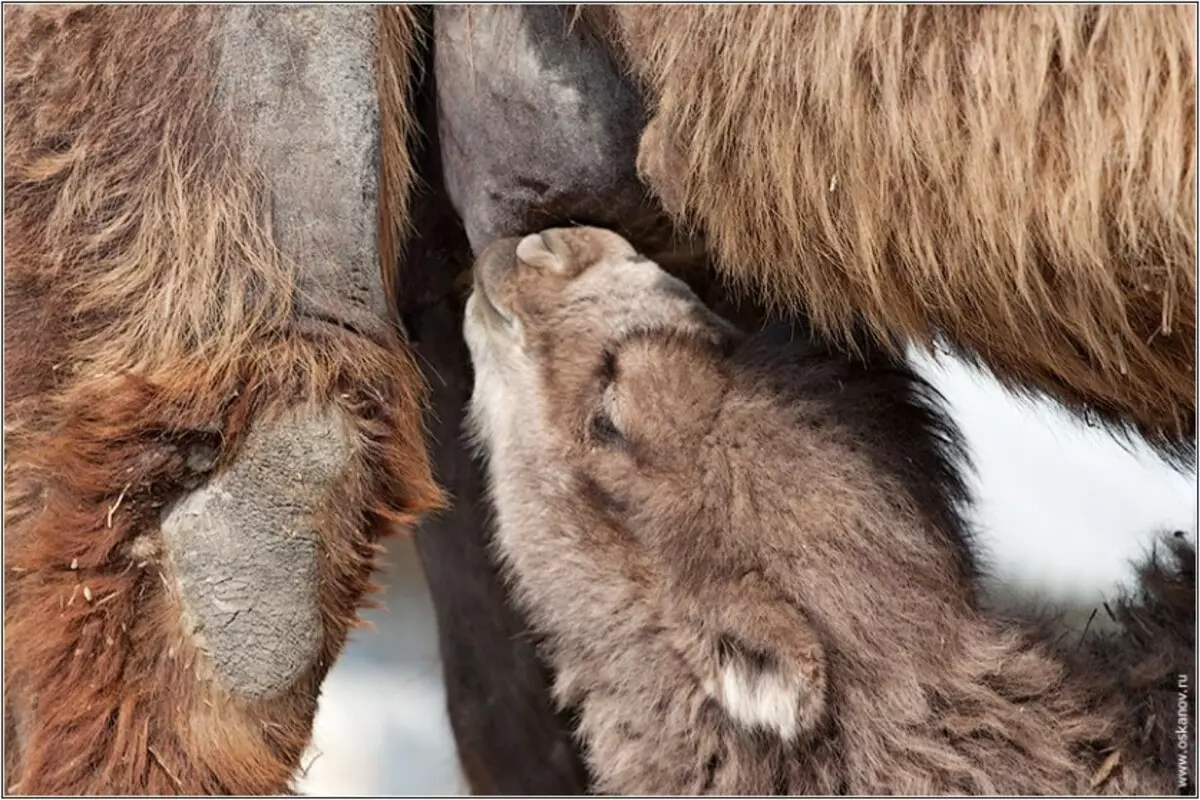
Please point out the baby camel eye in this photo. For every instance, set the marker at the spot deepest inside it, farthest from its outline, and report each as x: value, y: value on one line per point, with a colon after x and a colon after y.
x: 603, y: 431
x: 608, y: 367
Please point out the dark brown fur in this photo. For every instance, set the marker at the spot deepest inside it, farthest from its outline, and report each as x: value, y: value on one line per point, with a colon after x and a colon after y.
x: 150, y: 319
x: 675, y: 503
x: 1018, y: 179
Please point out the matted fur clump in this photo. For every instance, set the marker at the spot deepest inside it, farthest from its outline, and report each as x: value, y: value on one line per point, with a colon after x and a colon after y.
x: 746, y: 559
x: 150, y: 325
x: 1020, y: 179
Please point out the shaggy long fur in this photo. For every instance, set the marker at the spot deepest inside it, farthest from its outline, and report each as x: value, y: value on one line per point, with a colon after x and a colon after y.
x: 401, y: 35
x: 150, y: 317
x: 1020, y: 179
x: 748, y: 564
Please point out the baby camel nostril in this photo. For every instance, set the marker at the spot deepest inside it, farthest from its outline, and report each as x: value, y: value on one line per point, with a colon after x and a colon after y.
x: 535, y: 251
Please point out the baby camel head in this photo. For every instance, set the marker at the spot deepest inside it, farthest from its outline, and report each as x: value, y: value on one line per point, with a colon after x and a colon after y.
x: 762, y: 505
x: 585, y: 348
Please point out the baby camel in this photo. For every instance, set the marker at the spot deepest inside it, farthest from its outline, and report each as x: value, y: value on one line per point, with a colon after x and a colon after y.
x: 746, y: 558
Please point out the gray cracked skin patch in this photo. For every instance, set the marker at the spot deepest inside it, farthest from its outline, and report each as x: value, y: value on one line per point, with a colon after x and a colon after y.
x: 245, y: 548
x: 299, y: 83
x: 537, y: 124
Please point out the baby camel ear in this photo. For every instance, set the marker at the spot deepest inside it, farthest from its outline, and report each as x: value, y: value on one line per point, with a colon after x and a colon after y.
x: 759, y: 658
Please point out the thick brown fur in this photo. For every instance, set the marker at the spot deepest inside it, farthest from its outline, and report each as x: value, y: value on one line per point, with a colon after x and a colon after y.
x: 150, y: 318
x: 747, y: 559
x: 1019, y: 179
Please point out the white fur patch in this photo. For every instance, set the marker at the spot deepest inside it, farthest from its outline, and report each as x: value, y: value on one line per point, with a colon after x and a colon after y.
x: 761, y: 699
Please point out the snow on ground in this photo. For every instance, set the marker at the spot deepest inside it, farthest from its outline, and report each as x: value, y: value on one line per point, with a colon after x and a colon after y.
x: 381, y: 728
x: 1062, y: 509
x: 1062, y: 512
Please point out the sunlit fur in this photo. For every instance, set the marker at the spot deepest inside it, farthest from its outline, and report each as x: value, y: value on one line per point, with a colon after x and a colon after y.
x: 1019, y: 179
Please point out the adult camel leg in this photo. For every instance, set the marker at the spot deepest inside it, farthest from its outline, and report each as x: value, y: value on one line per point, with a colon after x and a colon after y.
x: 508, y: 736
x: 209, y: 419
